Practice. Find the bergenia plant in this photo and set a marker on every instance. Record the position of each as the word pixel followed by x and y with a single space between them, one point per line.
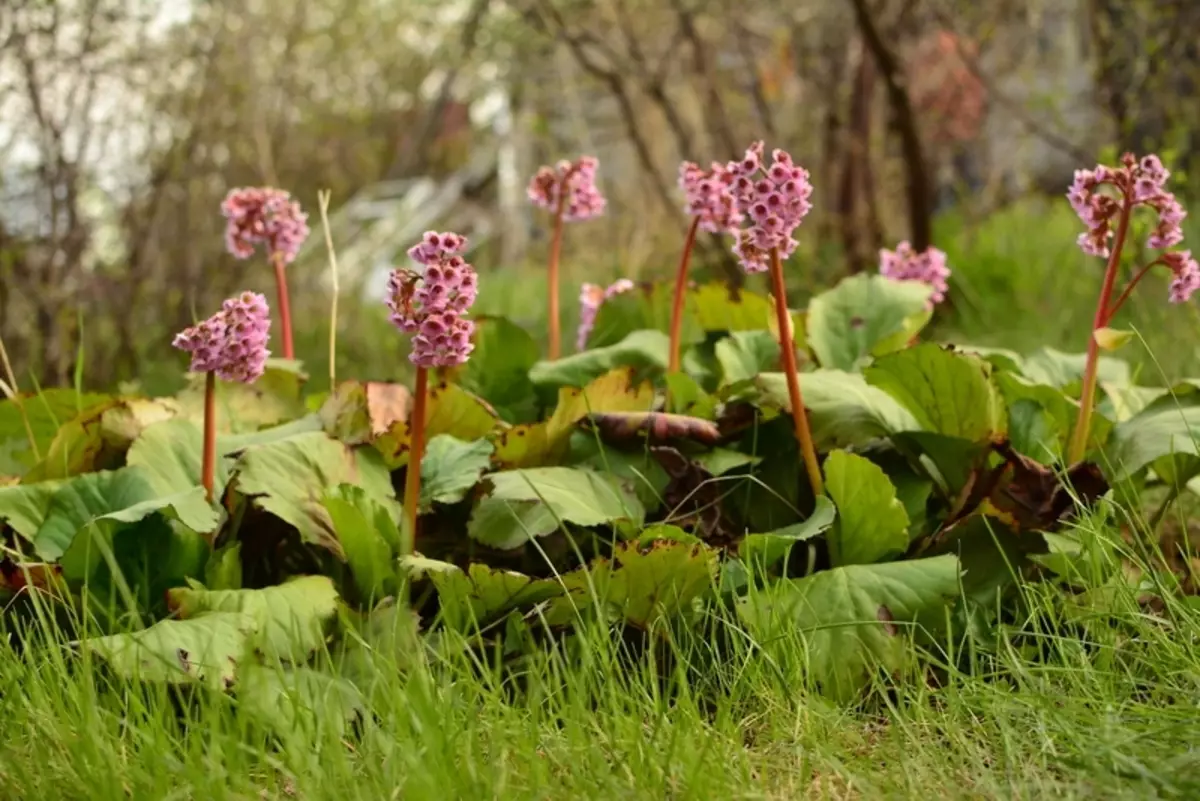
pixel 568 191
pixel 710 204
pixel 268 217
pixel 774 199
pixel 430 304
pixel 1105 199
pixel 230 345
pixel 927 267
pixel 591 298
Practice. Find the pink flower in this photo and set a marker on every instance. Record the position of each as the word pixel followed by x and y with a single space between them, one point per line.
pixel 1186 278
pixel 591 298
pixel 233 342
pixel 582 200
pixel 775 198
pixel 1136 183
pixel 430 304
pixel 710 197
pixel 262 215
pixel 928 267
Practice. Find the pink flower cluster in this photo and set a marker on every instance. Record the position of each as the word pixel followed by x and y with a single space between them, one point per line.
pixel 928 267
pixel 591 298
pixel 262 215
pixel 1186 272
pixel 430 304
pixel 577 179
pixel 775 198
pixel 710 196
pixel 233 342
pixel 1136 183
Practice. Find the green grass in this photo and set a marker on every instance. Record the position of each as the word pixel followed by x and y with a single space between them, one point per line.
pixel 1074 700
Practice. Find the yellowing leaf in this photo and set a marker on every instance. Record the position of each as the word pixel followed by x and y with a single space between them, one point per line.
pixel 1111 338
pixel 450 409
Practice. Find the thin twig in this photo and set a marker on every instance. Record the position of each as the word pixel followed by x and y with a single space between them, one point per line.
pixel 323 197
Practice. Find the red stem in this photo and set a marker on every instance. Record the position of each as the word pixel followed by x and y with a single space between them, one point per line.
pixel 208 464
pixel 285 309
pixel 1083 423
pixel 680 295
pixel 1120 301
pixel 788 348
pixel 412 478
pixel 555 248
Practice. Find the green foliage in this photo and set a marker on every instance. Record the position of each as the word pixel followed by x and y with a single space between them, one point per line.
pixel 871 524
pixel 865 315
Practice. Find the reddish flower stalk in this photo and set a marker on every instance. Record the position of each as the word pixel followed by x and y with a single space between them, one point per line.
pixel 569 191
pixel 230 345
pixel 1135 183
pixel 787 346
pixel 285 308
pixel 681 277
pixel 269 217
pixel 430 305
pixel 711 204
pixel 412 478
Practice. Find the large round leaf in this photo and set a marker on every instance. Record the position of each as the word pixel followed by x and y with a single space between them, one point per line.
pixel 843 409
pixel 871 523
pixel 865 314
pixel 640 350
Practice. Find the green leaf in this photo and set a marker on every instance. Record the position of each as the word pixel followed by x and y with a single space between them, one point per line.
pixel 291 618
pixel 843 409
pixel 481 595
pixel 1167 427
pixel 948 393
pixel 862 315
pixel 850 617
pixel 646 306
pixel 720 461
pixel 764 550
pixel 871 524
pixel 1111 338
pixel 638 469
pixel 719 307
pixel 369 535
pixel 450 410
pixel 78 447
pixel 523 504
pixel 23 506
pixel 498 370
pixel 744 354
pixel 641 350
pixel 207 649
pixel 451 467
pixel 273 399
pixel 121 496
pixel 47 412
pixel 298 701
pixel 224 568
pixel 685 396
pixel 171 454
pixel 1040 417
pixel 290 479
pixel 642 584
pixel 1058 369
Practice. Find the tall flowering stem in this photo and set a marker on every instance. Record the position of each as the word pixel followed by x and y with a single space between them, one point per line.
pixel 787 346
pixel 1105 199
pixel 430 304
pixel 567 190
pixel 268 217
pixel 712 207
pixel 230 345
pixel 775 199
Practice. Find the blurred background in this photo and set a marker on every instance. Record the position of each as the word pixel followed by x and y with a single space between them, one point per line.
pixel 959 123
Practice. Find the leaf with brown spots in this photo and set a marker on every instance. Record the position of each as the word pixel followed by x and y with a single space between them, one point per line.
pixel 359 411
pixel 622 428
pixel 537 444
pixel 450 410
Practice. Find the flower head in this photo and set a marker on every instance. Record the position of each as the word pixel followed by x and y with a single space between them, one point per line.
pixel 591 298
pixel 572 182
pixel 775 198
pixel 266 216
pixel 1186 272
pixel 429 304
pixel 710 196
pixel 233 342
pixel 1137 182
pixel 928 267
